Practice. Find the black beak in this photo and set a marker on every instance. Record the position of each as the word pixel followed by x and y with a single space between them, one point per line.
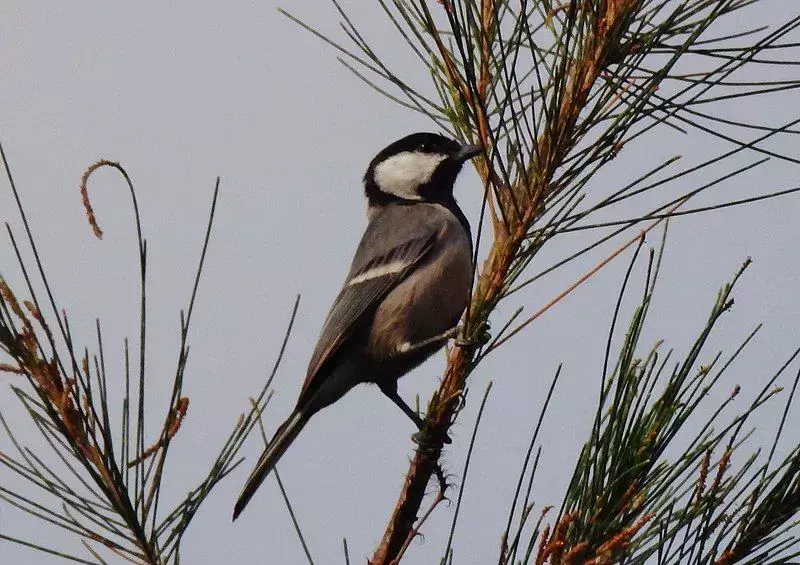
pixel 467 152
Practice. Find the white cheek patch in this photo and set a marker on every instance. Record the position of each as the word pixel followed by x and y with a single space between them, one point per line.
pixel 402 174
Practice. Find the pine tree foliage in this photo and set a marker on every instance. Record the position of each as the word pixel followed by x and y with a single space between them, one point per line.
pixel 100 482
pixel 630 500
pixel 553 92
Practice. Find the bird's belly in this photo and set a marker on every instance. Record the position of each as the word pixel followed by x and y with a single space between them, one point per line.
pixel 426 304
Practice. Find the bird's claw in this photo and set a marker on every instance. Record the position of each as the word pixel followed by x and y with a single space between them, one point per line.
pixel 419 438
pixel 479 338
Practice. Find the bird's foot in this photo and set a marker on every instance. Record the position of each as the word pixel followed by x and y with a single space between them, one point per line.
pixel 419 437
pixel 480 336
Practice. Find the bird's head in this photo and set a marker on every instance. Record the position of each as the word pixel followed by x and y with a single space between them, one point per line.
pixel 418 167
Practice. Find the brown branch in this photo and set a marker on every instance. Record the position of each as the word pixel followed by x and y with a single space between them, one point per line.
pixel 559 140
pixel 87 205
pixel 171 427
pixel 415 531
pixel 7 368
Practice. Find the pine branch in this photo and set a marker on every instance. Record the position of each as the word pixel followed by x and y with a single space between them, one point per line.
pixel 111 492
pixel 591 56
pixel 554 92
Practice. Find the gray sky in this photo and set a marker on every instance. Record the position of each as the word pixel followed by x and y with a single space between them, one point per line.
pixel 181 95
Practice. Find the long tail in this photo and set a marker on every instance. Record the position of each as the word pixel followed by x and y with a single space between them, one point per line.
pixel 280 442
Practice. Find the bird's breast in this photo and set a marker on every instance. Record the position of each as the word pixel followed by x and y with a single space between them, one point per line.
pixel 430 300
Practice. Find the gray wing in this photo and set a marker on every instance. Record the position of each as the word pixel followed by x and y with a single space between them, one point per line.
pixel 388 251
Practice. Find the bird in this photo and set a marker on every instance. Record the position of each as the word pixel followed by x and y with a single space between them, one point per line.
pixel 408 285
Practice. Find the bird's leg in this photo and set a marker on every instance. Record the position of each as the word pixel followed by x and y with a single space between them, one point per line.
pixel 391 393
pixel 409 347
pixel 453 333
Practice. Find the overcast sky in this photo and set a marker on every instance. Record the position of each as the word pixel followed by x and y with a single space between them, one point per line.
pixel 182 95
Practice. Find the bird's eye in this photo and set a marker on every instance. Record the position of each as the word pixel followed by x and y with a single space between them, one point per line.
pixel 424 147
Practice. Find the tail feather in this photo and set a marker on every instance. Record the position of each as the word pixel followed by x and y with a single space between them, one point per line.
pixel 280 442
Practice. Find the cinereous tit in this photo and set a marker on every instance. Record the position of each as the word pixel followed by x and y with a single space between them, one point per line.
pixel 406 290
